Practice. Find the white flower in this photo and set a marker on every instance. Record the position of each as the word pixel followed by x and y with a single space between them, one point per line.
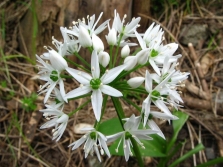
pixel 131 130
pixel 97 43
pixel 95 84
pixel 128 29
pixel 155 96
pixel 58 119
pixel 112 36
pixel 153 34
pixel 125 51
pixel 135 82
pixel 103 58
pixel 92 140
pixel 51 73
pixel 84 37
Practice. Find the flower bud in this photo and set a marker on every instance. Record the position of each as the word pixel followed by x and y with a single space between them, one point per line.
pixel 142 56
pixel 135 82
pixel 104 58
pixel 125 51
pixel 84 37
pixel 97 43
pixel 57 61
pixel 130 62
pixel 112 37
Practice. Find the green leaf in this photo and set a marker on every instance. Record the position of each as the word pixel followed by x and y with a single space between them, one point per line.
pixel 177 126
pixel 110 127
pixel 198 148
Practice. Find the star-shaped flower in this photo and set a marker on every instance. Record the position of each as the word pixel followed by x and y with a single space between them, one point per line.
pixel 95 83
pixel 92 140
pixel 51 73
pixel 131 130
pixel 58 119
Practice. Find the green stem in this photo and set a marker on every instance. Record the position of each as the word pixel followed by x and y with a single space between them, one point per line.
pixel 120 113
pixel 110 52
pixel 79 66
pixel 82 59
pixel 137 152
pixel 83 105
pixel 117 49
pixel 65 76
pixel 131 103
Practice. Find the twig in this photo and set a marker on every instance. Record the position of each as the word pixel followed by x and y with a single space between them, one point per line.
pixel 199 70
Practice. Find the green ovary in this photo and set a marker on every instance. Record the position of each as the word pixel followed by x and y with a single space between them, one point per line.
pixel 127 135
pixel 95 83
pixel 154 53
pixel 155 95
pixel 54 76
pixel 93 135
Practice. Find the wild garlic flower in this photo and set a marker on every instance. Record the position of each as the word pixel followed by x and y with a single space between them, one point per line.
pixel 95 83
pixel 93 139
pixel 127 30
pixel 131 130
pixel 51 73
pixel 57 119
pixel 155 54
pixel 156 95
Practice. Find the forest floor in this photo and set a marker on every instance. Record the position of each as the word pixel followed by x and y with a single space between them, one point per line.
pixel 23 144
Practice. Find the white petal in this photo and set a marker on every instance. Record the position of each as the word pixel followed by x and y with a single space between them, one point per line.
pixel 80 76
pixel 112 37
pixel 62 91
pixel 78 92
pixel 143 56
pixel 49 90
pixel 163 115
pixel 154 126
pixel 153 64
pixel 162 106
pixel 63 118
pixel 96 102
pixel 148 82
pixel 110 91
pixel 95 70
pixel 84 37
pixel 112 74
pixel 49 124
pixel 130 62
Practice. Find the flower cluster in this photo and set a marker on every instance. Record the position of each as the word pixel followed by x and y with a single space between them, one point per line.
pixel 106 76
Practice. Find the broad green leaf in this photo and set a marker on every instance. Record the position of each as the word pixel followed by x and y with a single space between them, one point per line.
pixel 177 125
pixel 110 127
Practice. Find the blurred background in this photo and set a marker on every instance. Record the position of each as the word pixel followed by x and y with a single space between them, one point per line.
pixel 28 25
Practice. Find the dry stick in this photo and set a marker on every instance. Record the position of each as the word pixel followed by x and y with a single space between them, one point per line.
pixel 199 70
pixel 192 142
pixel 172 36
pixel 205 126
pixel 195 90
